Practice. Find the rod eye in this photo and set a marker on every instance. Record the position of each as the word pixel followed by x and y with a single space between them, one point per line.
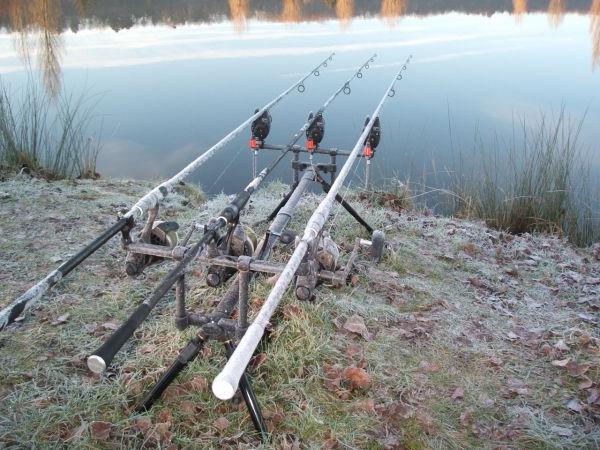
pixel 404 67
pixel 301 88
pixel 359 75
pixel 325 64
pixel 347 89
pixel 399 77
pixel 316 72
pixel 391 93
pixel 367 66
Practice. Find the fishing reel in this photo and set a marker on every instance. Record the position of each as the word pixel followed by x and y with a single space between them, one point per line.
pixel 160 233
pixel 239 241
pixel 372 140
pixel 315 132
pixel 260 129
pixel 323 256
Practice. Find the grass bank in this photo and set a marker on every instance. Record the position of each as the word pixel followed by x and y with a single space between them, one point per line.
pixel 464 336
pixel 47 136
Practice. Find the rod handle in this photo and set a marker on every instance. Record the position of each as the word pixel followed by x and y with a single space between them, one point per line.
pixel 226 384
pixel 98 361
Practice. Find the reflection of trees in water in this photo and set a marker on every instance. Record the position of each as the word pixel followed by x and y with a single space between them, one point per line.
pixel 556 12
pixel 344 10
pixel 238 10
pixel 519 8
pixel 595 32
pixel 36 24
pixel 291 11
pixel 391 10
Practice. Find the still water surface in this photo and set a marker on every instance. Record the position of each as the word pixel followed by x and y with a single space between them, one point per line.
pixel 175 76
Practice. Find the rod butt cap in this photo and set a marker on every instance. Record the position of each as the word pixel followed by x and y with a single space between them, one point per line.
pixel 222 389
pixel 96 364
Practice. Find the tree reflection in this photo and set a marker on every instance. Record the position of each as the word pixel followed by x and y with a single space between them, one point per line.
pixel 595 32
pixel 519 9
pixel 391 10
pixel 238 10
pixel 37 31
pixel 291 11
pixel 556 12
pixel 344 10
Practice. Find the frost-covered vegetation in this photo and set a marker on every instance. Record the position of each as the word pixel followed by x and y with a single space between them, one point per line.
pixel 46 135
pixel 464 336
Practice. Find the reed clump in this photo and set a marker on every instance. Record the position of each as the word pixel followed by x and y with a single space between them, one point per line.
pixel 538 183
pixel 47 136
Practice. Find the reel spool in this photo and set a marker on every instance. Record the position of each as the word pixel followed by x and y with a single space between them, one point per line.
pixel 241 241
pixel 163 234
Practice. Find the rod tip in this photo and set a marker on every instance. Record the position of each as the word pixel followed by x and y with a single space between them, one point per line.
pixel 222 389
pixel 96 364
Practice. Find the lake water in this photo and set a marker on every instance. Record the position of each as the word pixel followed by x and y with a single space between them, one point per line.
pixel 175 76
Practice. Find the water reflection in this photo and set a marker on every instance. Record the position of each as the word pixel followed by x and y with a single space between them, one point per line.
pixel 519 9
pixel 37 25
pixel 37 31
pixel 391 10
pixel 344 10
pixel 291 11
pixel 556 12
pixel 238 12
pixel 595 32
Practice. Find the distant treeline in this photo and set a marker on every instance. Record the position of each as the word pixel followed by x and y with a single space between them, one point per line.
pixel 117 14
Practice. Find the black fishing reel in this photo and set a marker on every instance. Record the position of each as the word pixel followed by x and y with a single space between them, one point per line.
pixel 315 132
pixel 163 234
pixel 240 241
pixel 372 140
pixel 260 128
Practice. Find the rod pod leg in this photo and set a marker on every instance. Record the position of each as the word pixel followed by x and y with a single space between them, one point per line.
pixel 326 187
pixel 250 400
pixel 187 355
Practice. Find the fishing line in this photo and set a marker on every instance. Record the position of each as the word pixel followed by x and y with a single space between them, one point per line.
pixel 227 167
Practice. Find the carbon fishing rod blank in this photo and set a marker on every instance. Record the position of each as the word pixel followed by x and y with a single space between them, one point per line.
pixel 148 201
pixel 226 382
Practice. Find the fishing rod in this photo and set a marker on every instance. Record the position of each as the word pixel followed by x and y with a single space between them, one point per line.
pixel 127 221
pixel 216 230
pixel 227 381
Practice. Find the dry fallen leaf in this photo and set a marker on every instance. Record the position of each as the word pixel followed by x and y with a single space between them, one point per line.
pixel 560 345
pixel 458 394
pixel 574 405
pixel 221 423
pixel 562 431
pixel 561 362
pixel 164 416
pixel 100 430
pixel 585 383
pixel 577 370
pixel 187 407
pixel 356 324
pixel 61 319
pixel 426 366
pixel 357 378
pixel 143 424
pixel 258 359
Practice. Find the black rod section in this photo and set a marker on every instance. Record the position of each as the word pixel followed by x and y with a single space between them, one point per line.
pixel 186 355
pixel 101 358
pixel 251 401
pixel 326 187
pixel 15 309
